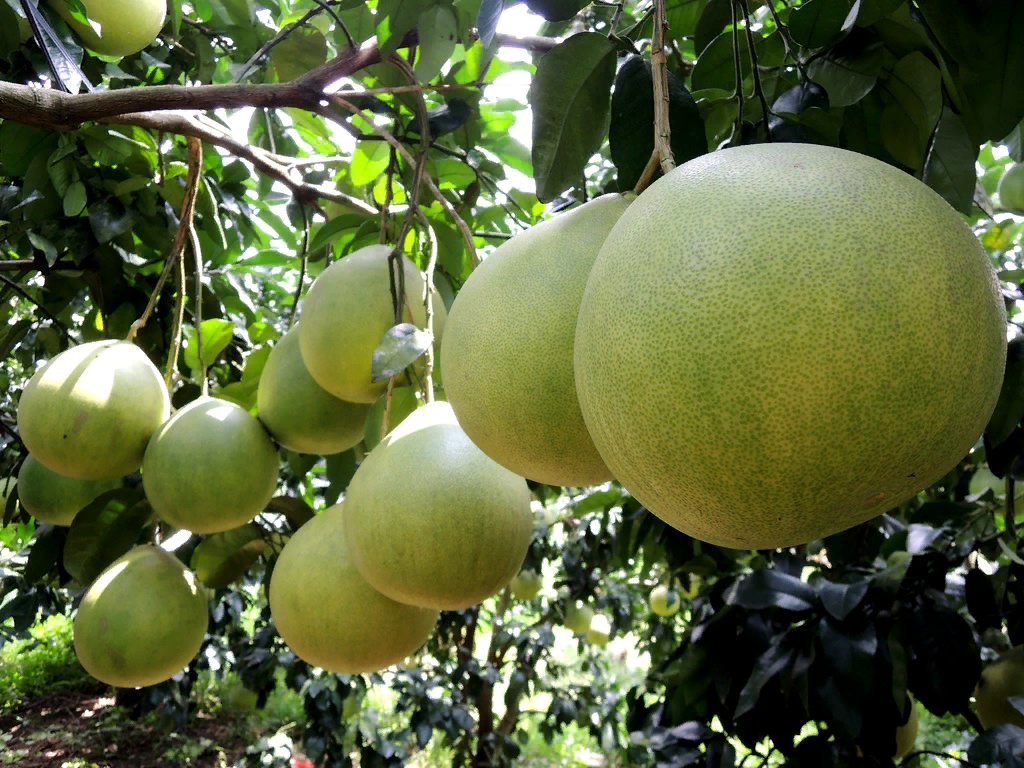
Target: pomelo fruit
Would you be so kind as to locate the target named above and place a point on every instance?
(345, 315)
(664, 601)
(780, 341)
(300, 414)
(578, 616)
(525, 584)
(142, 620)
(90, 411)
(1011, 188)
(403, 403)
(508, 347)
(906, 734)
(999, 681)
(124, 26)
(431, 520)
(599, 631)
(210, 468)
(327, 613)
(54, 498)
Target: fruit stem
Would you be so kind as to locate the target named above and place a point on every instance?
(179, 322)
(302, 264)
(428, 305)
(662, 154)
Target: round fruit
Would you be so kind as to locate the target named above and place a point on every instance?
(999, 681)
(778, 342)
(1011, 188)
(431, 520)
(300, 414)
(125, 26)
(403, 402)
(525, 584)
(599, 631)
(54, 498)
(508, 348)
(210, 468)
(578, 616)
(346, 314)
(327, 613)
(664, 601)
(142, 620)
(90, 411)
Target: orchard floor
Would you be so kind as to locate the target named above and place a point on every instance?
(84, 730)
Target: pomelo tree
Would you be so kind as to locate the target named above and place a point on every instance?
(186, 196)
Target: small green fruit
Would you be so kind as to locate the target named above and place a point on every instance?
(599, 631)
(526, 584)
(124, 26)
(1011, 188)
(578, 616)
(664, 601)
(54, 498)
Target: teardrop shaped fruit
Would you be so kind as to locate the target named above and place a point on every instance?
(90, 411)
(54, 498)
(124, 27)
(780, 341)
(327, 613)
(345, 315)
(508, 347)
(210, 468)
(142, 620)
(300, 414)
(431, 520)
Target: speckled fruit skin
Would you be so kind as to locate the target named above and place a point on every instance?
(778, 342)
(90, 411)
(210, 468)
(345, 315)
(508, 343)
(327, 613)
(300, 414)
(54, 498)
(126, 26)
(432, 521)
(142, 620)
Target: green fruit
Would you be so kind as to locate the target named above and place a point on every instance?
(578, 616)
(210, 468)
(906, 734)
(345, 315)
(780, 341)
(90, 411)
(327, 613)
(525, 585)
(599, 631)
(999, 681)
(1011, 188)
(54, 498)
(664, 601)
(300, 414)
(142, 620)
(125, 26)
(403, 402)
(508, 348)
(431, 520)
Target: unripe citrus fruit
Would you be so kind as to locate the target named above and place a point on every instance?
(210, 468)
(599, 631)
(431, 520)
(142, 620)
(578, 616)
(300, 414)
(125, 26)
(1011, 187)
(508, 348)
(664, 601)
(778, 342)
(345, 315)
(525, 584)
(327, 613)
(90, 411)
(1001, 680)
(54, 498)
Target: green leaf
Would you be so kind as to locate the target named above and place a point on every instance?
(368, 162)
(909, 119)
(570, 96)
(45, 552)
(395, 18)
(104, 531)
(296, 511)
(339, 470)
(402, 345)
(304, 49)
(556, 10)
(949, 167)
(1009, 408)
(487, 19)
(848, 73)
(1014, 142)
(438, 33)
(222, 558)
(683, 15)
(716, 67)
(819, 23)
(216, 334)
(74, 199)
(43, 245)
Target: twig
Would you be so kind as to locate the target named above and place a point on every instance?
(428, 305)
(197, 252)
(302, 264)
(753, 61)
(787, 41)
(26, 295)
(662, 155)
(737, 130)
(282, 34)
(179, 322)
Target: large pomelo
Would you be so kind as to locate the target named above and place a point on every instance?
(210, 468)
(300, 414)
(54, 498)
(431, 520)
(778, 342)
(327, 613)
(508, 348)
(142, 620)
(124, 27)
(90, 411)
(345, 315)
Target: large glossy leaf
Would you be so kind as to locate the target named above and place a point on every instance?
(104, 531)
(395, 18)
(1010, 406)
(767, 588)
(215, 333)
(222, 558)
(849, 71)
(915, 87)
(303, 49)
(438, 33)
(818, 23)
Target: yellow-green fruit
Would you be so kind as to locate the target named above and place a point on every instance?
(142, 620)
(578, 616)
(664, 601)
(906, 734)
(999, 681)
(432, 521)
(525, 584)
(210, 468)
(403, 403)
(125, 26)
(54, 498)
(345, 315)
(780, 341)
(599, 631)
(300, 414)
(327, 613)
(1011, 188)
(508, 348)
(90, 411)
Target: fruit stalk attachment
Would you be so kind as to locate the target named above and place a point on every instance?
(662, 154)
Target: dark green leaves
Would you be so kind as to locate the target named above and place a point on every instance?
(401, 346)
(818, 23)
(556, 10)
(768, 587)
(1010, 406)
(949, 167)
(223, 558)
(570, 99)
(915, 88)
(104, 531)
